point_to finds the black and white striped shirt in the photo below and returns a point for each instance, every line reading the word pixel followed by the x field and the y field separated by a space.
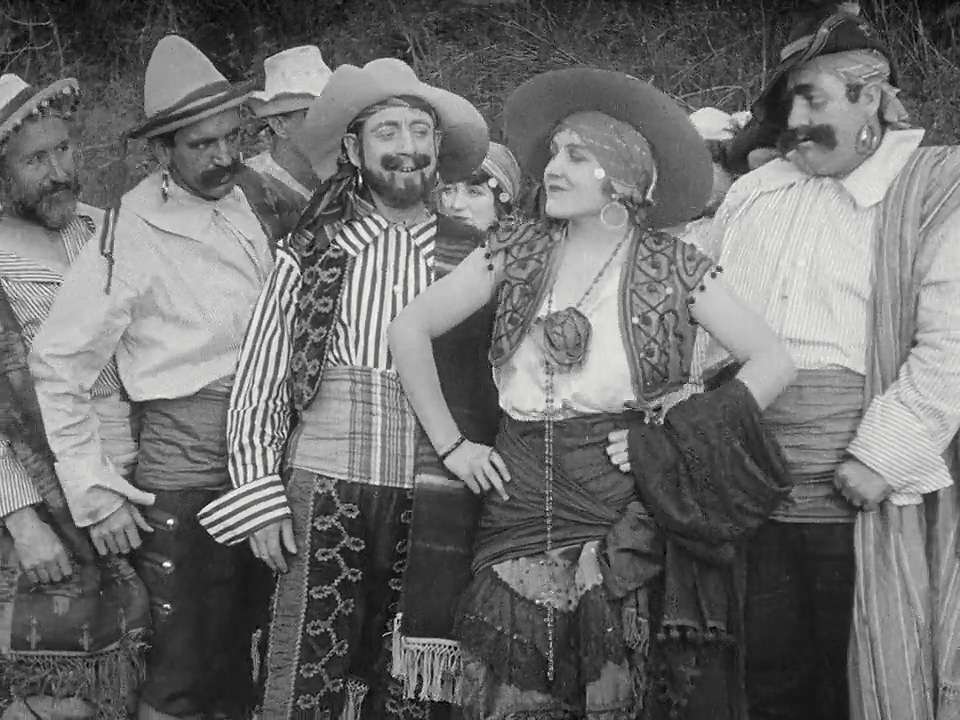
pixel 31 288
pixel 391 265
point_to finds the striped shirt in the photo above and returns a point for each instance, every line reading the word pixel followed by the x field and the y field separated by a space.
pixel 30 287
pixel 800 251
pixel 390 265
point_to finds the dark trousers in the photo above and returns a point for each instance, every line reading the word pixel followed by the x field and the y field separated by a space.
pixel 207 600
pixel 799 608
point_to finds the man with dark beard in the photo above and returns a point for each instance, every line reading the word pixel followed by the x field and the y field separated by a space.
pixel 75 659
pixel 171 297
pixel 849 245
pixel 318 402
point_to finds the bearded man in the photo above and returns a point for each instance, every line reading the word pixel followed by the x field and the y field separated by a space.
pixel 850 246
pixel 294 79
pixel 169 291
pixel 79 657
pixel 336 526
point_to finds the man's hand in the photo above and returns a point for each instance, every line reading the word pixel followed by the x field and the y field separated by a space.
pixel 118 533
pixel 268 544
pixel 42 555
pixel 861 486
pixel 480 467
pixel 618 450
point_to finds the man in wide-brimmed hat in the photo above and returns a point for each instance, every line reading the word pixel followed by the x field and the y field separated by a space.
pixel 316 397
pixel 849 243
pixel 294 79
pixel 170 290
pixel 42 230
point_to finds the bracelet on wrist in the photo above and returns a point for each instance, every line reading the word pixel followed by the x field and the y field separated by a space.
pixel 450 450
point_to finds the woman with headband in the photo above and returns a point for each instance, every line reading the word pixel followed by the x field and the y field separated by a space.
pixel 489 197
pixel 605 563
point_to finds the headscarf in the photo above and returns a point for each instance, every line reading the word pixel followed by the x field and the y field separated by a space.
pixel 502 167
pixel 624 154
pixel 866 67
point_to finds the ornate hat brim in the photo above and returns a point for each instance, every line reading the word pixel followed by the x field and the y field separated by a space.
pixel 36 102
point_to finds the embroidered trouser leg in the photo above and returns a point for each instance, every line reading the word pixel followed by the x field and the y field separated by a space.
pixel 799 607
pixel 328 648
pixel 203 613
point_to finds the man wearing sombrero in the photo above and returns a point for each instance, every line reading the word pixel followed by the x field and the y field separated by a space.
pixel 82 655
pixel 849 244
pixel 317 402
pixel 170 291
pixel 294 79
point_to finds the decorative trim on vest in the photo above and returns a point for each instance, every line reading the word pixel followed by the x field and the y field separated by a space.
pixel 658 329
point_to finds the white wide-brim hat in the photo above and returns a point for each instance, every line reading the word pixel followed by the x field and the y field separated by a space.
pixel 294 79
pixel 352 89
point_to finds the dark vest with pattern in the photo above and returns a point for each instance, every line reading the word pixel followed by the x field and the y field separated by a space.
pixel 657 287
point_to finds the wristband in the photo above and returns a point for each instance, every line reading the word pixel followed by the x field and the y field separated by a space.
pixel 449 451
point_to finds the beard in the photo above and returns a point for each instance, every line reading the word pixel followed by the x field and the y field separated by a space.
pixel 53 206
pixel 398 188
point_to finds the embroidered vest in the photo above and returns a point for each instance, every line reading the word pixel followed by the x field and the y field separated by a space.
pixel 656 289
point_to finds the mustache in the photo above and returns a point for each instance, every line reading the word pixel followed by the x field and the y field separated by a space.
pixel 395 162
pixel 57 186
pixel 217 176
pixel 791 138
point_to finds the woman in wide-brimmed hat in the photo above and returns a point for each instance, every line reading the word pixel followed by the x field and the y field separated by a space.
pixel 597 588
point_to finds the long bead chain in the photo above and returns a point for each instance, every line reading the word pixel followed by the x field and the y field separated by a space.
pixel 548 498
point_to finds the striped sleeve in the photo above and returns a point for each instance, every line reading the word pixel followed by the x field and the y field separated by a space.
pixel 906 430
pixel 17 490
pixel 258 420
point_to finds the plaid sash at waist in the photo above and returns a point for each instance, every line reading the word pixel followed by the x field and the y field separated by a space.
pixel 360 428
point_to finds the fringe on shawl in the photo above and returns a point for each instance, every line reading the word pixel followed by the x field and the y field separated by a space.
pixel 105 679
pixel 429 668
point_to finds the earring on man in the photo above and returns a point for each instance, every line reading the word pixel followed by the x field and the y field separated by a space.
pixel 867 140
pixel 165 183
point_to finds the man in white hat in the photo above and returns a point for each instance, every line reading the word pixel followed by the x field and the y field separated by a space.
pixel 294 79
pixel 42 230
pixel 170 290
pixel 317 398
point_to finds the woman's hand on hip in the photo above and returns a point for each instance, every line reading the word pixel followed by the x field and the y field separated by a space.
pixel 480 467
pixel 619 450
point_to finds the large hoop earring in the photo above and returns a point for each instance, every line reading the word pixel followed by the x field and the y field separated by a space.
pixel 620 215
pixel 867 141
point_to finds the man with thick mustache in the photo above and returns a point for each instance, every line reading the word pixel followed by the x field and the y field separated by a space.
pixel 318 403
pixel 169 290
pixel 850 246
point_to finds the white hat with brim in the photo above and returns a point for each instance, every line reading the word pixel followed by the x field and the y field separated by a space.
pixel 352 89
pixel 294 79
pixel 19 101
pixel 183 87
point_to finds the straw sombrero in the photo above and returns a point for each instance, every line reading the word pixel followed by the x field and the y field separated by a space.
pixel 182 87
pixel 352 89
pixel 684 170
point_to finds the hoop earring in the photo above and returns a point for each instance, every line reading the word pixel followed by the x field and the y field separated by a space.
pixel 165 183
pixel 867 141
pixel 622 215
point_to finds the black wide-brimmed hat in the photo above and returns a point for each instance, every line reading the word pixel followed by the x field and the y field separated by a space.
pixel 829 30
pixel 684 170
